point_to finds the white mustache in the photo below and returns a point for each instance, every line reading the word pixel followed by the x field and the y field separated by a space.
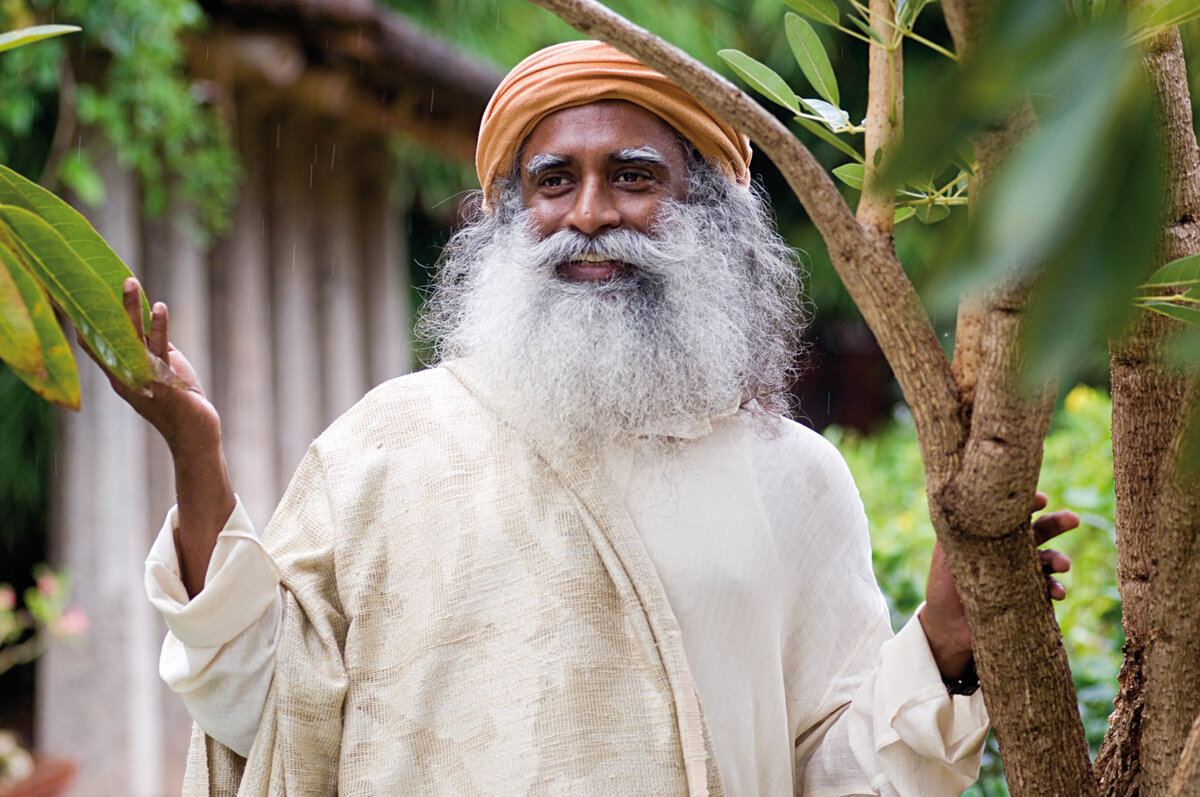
pixel 635 249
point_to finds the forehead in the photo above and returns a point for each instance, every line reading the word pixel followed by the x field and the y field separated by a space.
pixel 602 128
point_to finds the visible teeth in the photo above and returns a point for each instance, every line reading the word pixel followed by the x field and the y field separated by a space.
pixel 592 259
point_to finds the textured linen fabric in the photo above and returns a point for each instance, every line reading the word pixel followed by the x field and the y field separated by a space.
pixel 757 534
pixel 578 72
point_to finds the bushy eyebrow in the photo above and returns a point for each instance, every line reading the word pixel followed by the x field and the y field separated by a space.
pixel 544 162
pixel 647 155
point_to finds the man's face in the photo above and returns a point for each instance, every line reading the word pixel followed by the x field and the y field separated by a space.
pixel 600 167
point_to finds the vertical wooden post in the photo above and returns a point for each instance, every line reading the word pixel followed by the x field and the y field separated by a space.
pixel 340 274
pixel 384 247
pixel 99 704
pixel 293 220
pixel 243 379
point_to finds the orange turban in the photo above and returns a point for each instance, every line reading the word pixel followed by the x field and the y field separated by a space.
pixel 579 72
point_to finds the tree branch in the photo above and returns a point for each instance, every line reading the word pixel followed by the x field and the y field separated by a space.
pixel 885 118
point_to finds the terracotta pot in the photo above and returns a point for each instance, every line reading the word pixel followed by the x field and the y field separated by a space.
pixel 50 777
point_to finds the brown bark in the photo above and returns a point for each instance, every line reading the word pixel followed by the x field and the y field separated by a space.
pixel 1148 399
pixel 885 119
pixel 1173 656
pixel 1187 775
pixel 984 510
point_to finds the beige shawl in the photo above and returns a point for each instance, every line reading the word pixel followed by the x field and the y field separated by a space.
pixel 467 611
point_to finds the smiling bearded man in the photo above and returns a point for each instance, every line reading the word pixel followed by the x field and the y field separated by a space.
pixel 700 316
pixel 585 554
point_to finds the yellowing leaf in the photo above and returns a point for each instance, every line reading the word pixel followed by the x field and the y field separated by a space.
pixel 15 38
pixel 19 344
pixel 45 363
pixel 97 313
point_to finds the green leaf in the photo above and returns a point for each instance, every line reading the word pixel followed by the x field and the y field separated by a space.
pixel 46 364
pixel 852 174
pixel 810 54
pixel 98 315
pixel 823 11
pixel 831 115
pixel 74 228
pixel 823 133
pixel 1189 315
pixel 16 38
pixel 1184 271
pixel 931 213
pixel 903 214
pixel 1174 13
pixel 761 77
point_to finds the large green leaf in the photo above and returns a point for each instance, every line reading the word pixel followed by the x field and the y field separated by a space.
pixel 810 54
pixel 41 356
pixel 74 228
pixel 1184 271
pixel 761 77
pixel 824 11
pixel 97 313
pixel 15 38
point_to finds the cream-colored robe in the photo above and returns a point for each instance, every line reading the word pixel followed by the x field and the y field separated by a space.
pixel 754 529
pixel 466 612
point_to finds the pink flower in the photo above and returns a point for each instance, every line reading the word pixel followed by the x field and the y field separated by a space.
pixel 8 598
pixel 73 622
pixel 47 585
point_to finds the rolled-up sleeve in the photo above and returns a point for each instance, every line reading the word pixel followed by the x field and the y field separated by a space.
pixel 219 652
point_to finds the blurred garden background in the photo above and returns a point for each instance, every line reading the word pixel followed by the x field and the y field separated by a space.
pixel 285 173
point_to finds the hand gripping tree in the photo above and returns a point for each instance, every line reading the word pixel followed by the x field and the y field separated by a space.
pixel 1071 206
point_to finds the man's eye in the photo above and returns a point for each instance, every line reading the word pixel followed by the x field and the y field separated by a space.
pixel 631 177
pixel 551 181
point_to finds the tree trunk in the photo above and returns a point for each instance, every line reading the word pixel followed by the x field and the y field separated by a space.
pixel 1148 401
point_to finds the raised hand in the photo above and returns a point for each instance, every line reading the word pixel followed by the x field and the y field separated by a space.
pixel 943 618
pixel 175 404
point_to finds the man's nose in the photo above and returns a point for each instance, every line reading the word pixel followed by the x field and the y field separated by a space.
pixel 594 210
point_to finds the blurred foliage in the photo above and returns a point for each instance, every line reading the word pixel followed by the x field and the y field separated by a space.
pixel 1077 474
pixel 160 124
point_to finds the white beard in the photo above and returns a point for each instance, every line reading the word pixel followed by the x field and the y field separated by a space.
pixel 638 354
pixel 705 318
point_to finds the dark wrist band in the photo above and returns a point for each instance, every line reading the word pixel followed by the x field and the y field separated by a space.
pixel 965 684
